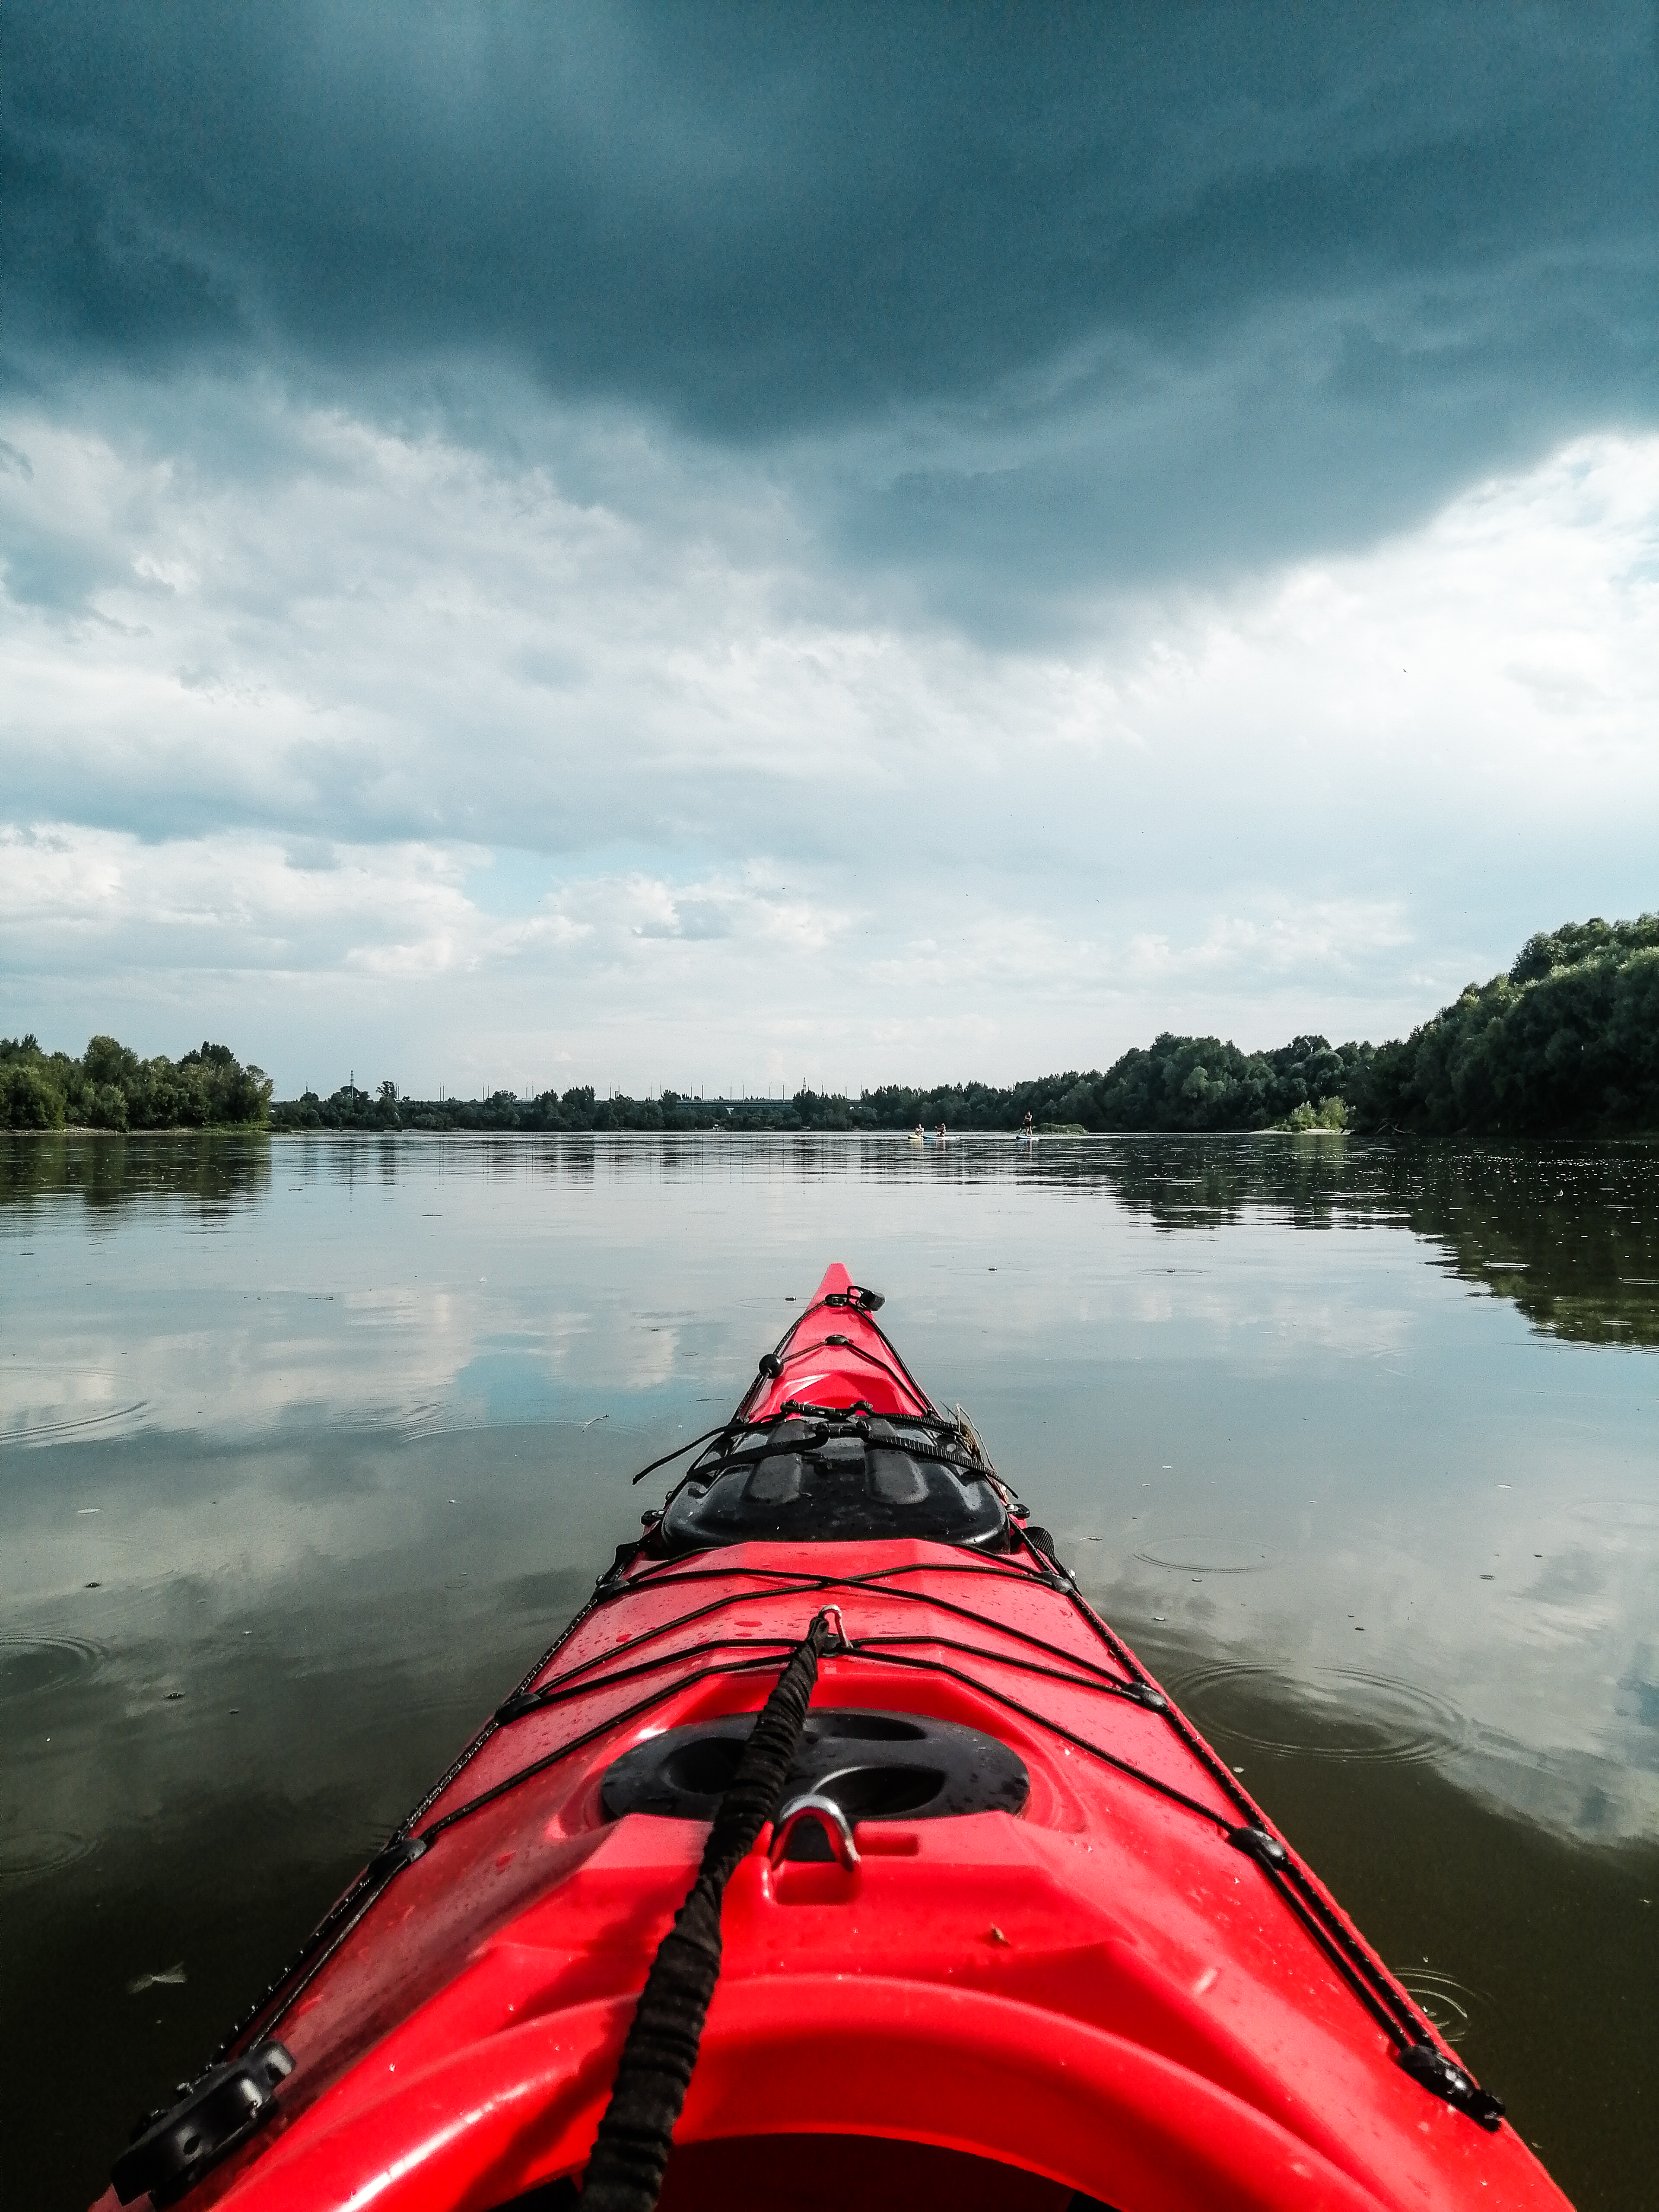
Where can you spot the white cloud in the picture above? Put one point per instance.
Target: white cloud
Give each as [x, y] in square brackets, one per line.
[595, 759]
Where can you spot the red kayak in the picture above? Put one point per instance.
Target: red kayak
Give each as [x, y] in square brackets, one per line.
[934, 1896]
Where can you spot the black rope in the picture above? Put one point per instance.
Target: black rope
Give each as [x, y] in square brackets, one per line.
[779, 1349]
[1351, 1956]
[1041, 1720]
[845, 1344]
[679, 1450]
[240, 2031]
[1366, 1974]
[921, 1447]
[798, 1584]
[579, 1681]
[667, 1574]
[1348, 1951]
[404, 1848]
[630, 2153]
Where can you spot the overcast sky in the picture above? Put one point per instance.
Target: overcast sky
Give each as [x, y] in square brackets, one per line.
[724, 547]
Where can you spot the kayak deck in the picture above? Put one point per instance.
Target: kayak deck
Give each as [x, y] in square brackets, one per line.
[1109, 1984]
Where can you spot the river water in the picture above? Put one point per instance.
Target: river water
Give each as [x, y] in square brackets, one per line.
[307, 1446]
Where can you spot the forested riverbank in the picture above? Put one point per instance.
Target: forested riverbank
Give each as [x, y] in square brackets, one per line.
[110, 1087]
[1565, 1044]
[1182, 1083]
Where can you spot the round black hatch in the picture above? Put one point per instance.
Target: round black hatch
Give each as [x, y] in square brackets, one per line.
[875, 1766]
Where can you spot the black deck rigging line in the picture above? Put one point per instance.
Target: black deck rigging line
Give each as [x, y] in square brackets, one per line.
[538, 1766]
[559, 1692]
[817, 1584]
[1355, 1968]
[400, 1851]
[679, 1450]
[403, 1849]
[1041, 1720]
[935, 1451]
[1347, 1948]
[1352, 1959]
[1381, 1997]
[822, 1305]
[240, 2029]
[666, 1573]
[845, 1344]
[1051, 1575]
[630, 2153]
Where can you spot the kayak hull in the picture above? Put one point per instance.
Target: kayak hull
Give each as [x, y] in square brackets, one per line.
[1102, 1995]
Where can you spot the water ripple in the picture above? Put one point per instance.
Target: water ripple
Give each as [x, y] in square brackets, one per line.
[39, 1432]
[1349, 1715]
[1205, 1555]
[27, 1855]
[29, 1664]
[1446, 2001]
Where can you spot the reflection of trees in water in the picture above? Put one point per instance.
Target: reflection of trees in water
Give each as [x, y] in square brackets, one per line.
[106, 1173]
[1569, 1232]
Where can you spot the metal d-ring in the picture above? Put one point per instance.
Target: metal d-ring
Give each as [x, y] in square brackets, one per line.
[831, 1616]
[837, 1828]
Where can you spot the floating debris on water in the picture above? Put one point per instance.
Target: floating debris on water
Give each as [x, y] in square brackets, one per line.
[170, 1977]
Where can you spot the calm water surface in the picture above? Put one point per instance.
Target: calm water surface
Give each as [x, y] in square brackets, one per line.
[308, 1446]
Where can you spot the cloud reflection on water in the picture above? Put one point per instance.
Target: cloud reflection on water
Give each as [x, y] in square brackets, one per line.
[1190, 1353]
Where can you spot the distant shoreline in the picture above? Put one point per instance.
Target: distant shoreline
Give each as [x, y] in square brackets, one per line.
[1566, 1044]
[980, 1139]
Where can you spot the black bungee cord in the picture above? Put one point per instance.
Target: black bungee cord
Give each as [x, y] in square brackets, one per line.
[635, 2135]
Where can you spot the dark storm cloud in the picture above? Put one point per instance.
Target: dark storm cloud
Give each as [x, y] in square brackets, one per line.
[1041, 294]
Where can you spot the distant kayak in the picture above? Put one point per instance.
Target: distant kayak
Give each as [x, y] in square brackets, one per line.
[949, 1904]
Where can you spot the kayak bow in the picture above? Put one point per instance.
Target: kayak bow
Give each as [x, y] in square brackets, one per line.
[1010, 1935]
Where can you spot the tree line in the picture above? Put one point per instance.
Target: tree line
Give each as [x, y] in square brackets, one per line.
[1183, 1082]
[110, 1087]
[1566, 1042]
